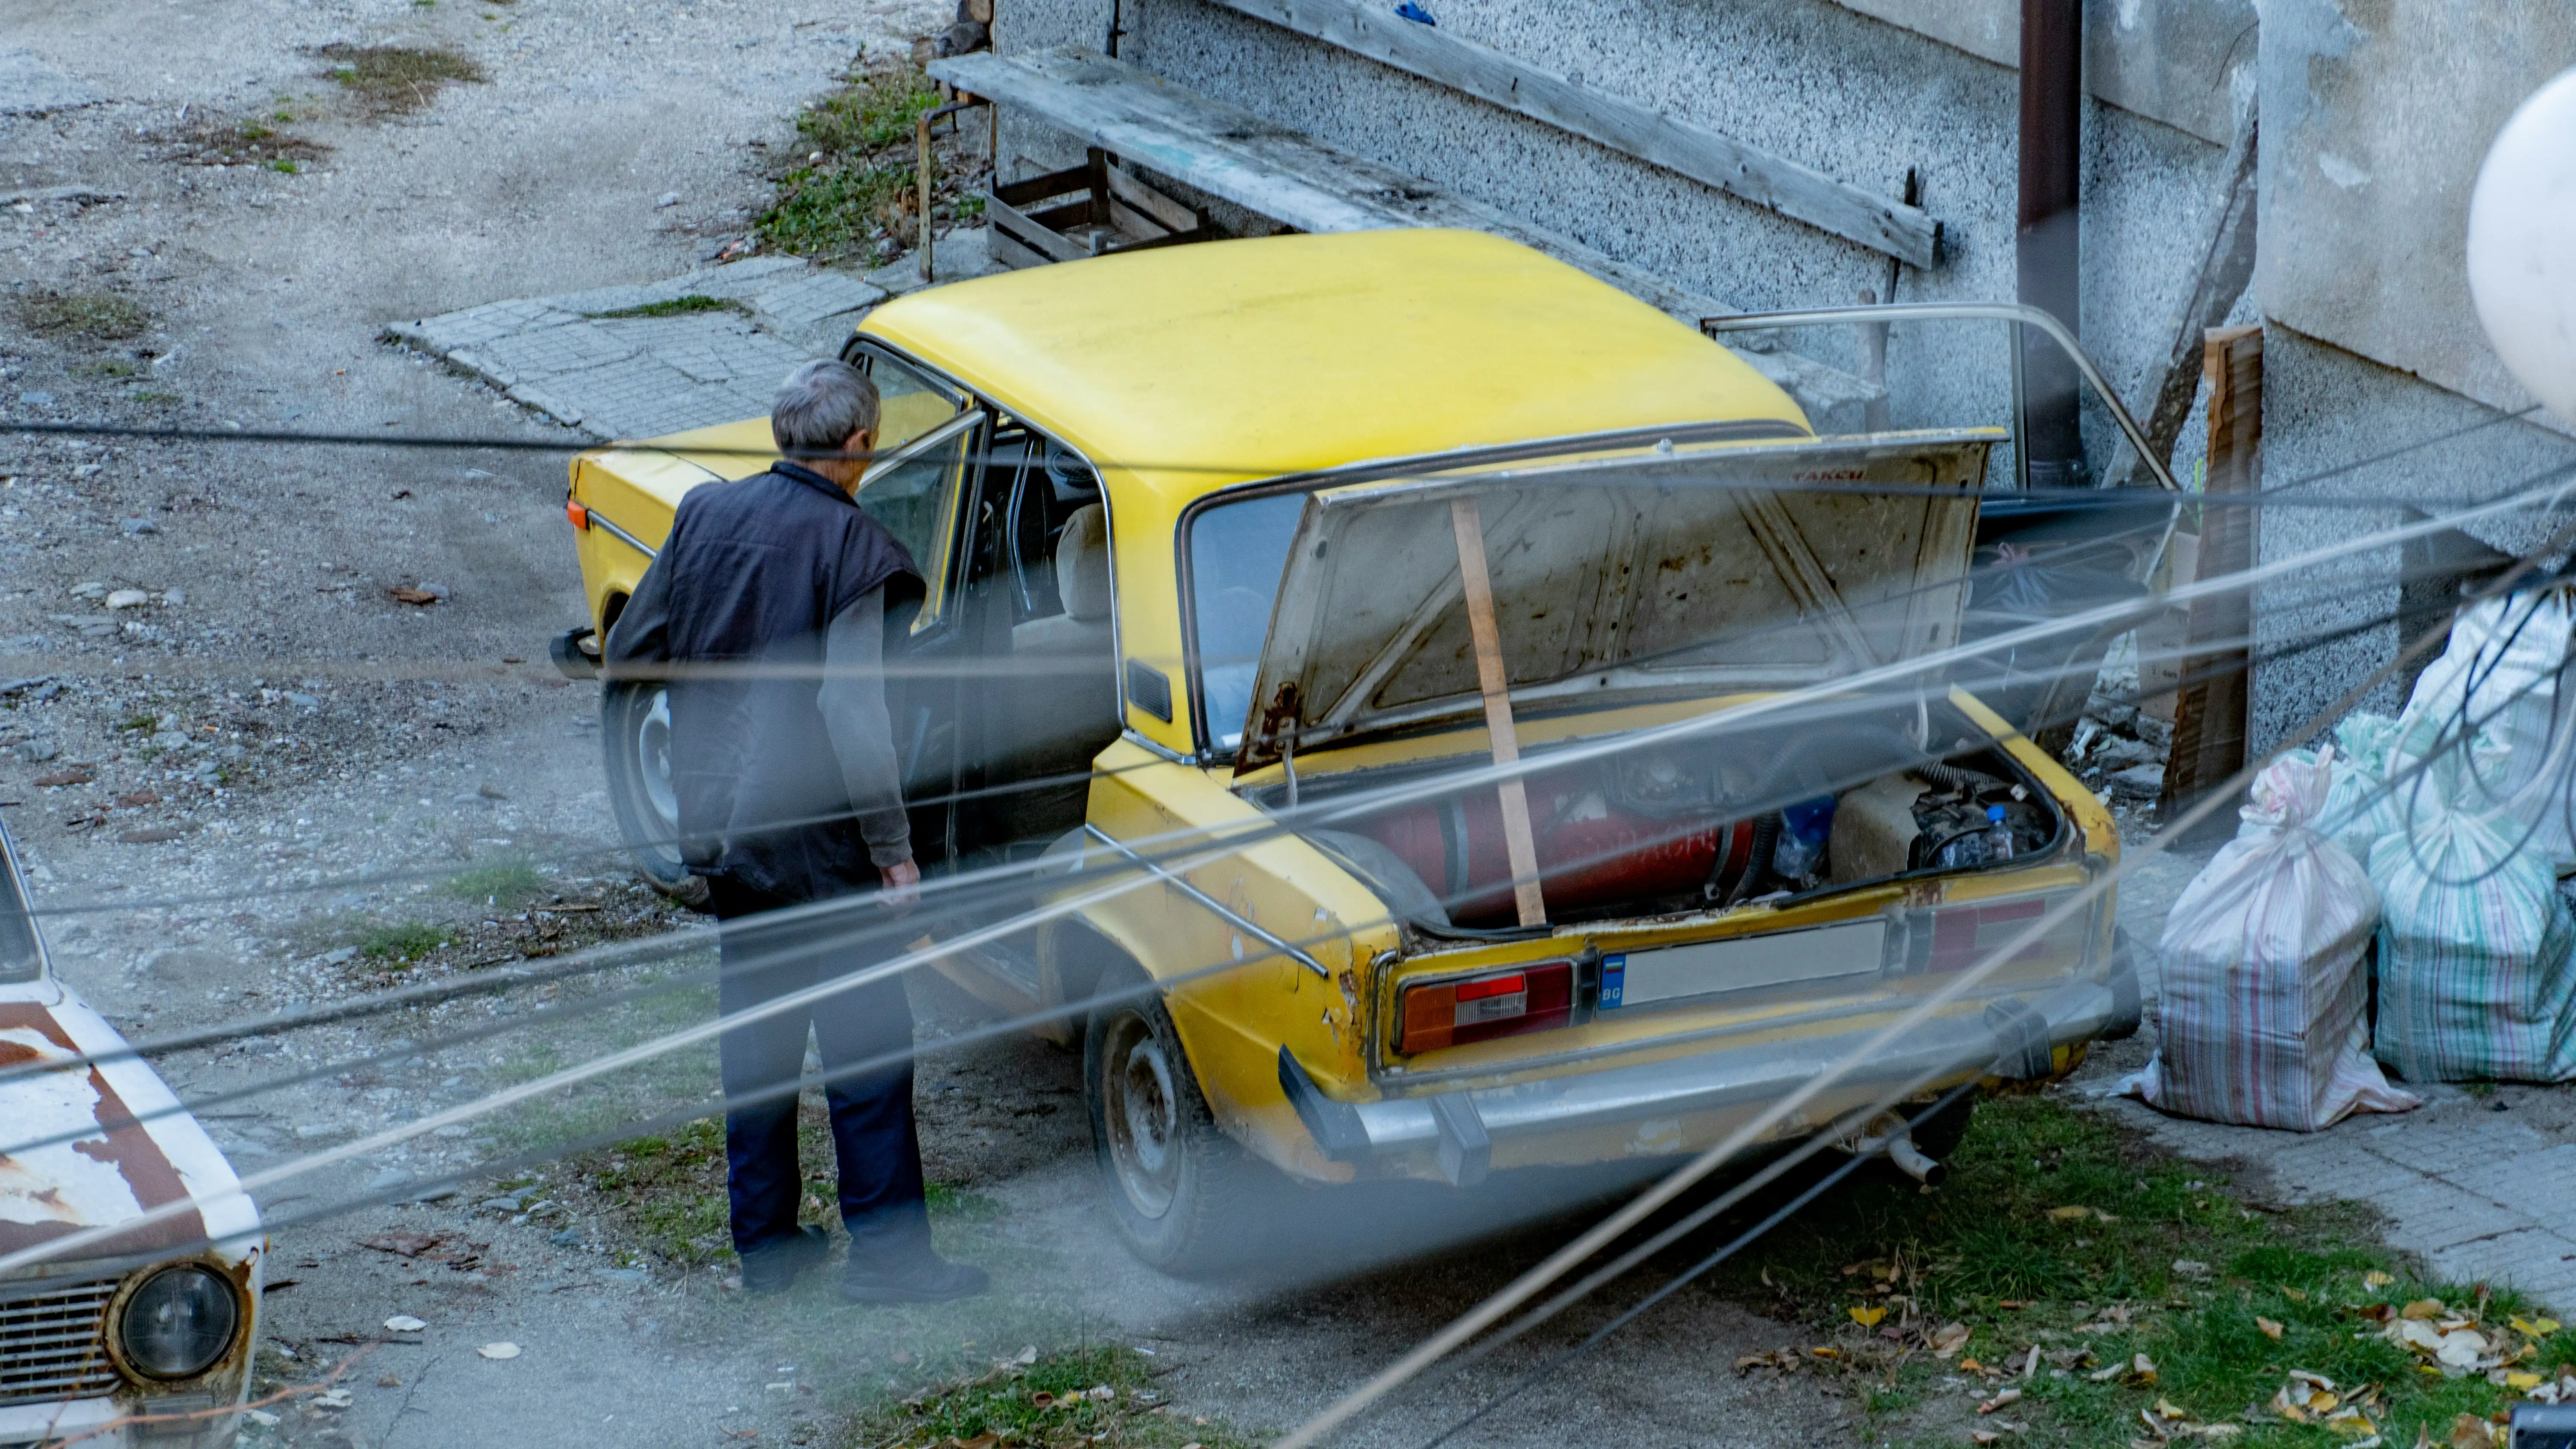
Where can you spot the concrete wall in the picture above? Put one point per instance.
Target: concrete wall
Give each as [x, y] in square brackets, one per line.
[2376, 116]
[1812, 80]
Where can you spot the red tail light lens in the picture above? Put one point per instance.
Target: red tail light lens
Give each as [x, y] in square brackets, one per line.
[1479, 1008]
[1960, 937]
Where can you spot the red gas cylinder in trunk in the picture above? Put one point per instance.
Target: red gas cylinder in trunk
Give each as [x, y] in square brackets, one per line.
[1590, 852]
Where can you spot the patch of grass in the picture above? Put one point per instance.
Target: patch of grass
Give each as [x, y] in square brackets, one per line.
[246, 143]
[107, 367]
[505, 884]
[1062, 1400]
[676, 307]
[402, 941]
[99, 316]
[855, 173]
[392, 80]
[2052, 1221]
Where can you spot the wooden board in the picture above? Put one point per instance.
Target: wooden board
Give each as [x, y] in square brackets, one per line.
[1291, 177]
[1709, 157]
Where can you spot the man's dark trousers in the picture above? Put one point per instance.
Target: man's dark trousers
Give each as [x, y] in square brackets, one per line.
[872, 1126]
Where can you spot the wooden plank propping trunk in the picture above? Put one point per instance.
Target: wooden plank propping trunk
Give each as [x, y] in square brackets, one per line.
[2210, 710]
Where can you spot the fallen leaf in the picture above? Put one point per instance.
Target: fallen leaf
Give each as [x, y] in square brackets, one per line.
[499, 1350]
[2166, 1408]
[404, 1323]
[2271, 1330]
[1026, 1356]
[2461, 1348]
[2536, 1327]
[2423, 1308]
[2416, 1333]
[2376, 1279]
[2191, 1267]
[2468, 1431]
[2295, 1295]
[1949, 1338]
[331, 1399]
[2305, 1377]
[2070, 1214]
[76, 775]
[2012, 1303]
[2142, 1372]
[1826, 1352]
[2108, 1373]
[1971, 1366]
[2523, 1381]
[412, 596]
[1042, 1399]
[388, 1381]
[1983, 1436]
[1868, 1317]
[2008, 1396]
[980, 1441]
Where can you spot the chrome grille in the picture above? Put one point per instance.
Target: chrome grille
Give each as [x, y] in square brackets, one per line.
[53, 1344]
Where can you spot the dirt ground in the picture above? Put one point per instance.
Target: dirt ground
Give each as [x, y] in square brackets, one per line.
[267, 782]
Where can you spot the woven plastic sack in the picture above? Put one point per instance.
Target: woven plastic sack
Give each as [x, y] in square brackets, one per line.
[2358, 812]
[2499, 677]
[2477, 952]
[2262, 997]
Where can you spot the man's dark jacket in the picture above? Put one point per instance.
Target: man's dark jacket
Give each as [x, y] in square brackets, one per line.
[758, 569]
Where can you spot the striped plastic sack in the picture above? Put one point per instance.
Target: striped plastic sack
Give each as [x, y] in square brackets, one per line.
[2357, 811]
[2262, 999]
[2477, 951]
[2499, 676]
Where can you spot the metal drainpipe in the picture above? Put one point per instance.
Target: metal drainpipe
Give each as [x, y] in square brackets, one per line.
[2046, 239]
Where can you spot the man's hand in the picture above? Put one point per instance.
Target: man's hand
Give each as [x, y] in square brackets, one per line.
[899, 885]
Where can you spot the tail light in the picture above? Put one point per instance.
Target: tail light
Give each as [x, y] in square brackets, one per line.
[579, 515]
[1960, 937]
[1480, 1008]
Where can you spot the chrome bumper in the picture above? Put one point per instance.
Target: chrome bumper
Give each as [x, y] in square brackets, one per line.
[2014, 1038]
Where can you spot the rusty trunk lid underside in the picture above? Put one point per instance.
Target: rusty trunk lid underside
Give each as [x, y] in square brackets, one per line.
[1762, 566]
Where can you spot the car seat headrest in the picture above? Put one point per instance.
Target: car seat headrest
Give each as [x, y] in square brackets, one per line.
[1082, 565]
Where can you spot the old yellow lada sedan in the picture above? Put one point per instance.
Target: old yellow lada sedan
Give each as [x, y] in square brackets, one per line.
[1251, 567]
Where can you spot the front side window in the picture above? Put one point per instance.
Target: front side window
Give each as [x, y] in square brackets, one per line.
[1237, 553]
[20, 960]
[914, 493]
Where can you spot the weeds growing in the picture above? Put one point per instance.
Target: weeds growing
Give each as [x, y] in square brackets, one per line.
[1082, 1396]
[854, 185]
[402, 941]
[675, 307]
[98, 316]
[392, 80]
[2055, 1233]
[505, 884]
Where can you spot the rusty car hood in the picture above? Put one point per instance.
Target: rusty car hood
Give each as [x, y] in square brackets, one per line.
[113, 1171]
[1711, 569]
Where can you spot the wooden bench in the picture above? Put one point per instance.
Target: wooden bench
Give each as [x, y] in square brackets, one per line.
[1227, 152]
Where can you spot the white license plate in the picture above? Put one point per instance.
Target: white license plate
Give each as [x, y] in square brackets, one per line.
[1746, 963]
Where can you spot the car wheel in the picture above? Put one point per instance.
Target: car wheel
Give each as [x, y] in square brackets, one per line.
[1176, 1185]
[635, 738]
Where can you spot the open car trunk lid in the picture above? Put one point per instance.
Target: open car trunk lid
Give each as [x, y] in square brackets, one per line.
[1693, 570]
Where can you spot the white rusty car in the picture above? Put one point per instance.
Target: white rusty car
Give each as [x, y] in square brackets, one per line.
[145, 1338]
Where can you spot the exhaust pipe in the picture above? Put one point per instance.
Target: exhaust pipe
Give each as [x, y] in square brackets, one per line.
[1911, 1161]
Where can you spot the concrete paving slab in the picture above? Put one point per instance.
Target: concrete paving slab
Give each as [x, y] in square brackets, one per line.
[2541, 1183]
[575, 358]
[2431, 1214]
[2534, 1260]
[2465, 1145]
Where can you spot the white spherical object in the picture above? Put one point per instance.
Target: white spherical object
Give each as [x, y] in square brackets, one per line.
[2522, 245]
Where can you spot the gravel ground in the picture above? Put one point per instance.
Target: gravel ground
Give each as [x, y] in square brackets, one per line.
[250, 777]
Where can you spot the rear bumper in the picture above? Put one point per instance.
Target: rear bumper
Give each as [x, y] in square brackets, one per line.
[1453, 1134]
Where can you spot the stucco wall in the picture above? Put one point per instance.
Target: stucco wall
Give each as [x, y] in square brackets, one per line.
[1811, 80]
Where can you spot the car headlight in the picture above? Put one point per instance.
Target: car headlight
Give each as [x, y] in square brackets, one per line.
[179, 1321]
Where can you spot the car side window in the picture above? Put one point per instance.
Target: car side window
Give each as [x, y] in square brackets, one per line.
[20, 958]
[910, 402]
[915, 493]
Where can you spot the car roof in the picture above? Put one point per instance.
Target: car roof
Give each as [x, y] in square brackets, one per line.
[1187, 368]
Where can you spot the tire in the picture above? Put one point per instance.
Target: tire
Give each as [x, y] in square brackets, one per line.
[1178, 1188]
[635, 743]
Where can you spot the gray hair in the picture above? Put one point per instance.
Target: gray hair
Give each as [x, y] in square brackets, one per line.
[820, 405]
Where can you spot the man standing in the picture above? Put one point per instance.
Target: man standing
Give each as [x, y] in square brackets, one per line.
[771, 594]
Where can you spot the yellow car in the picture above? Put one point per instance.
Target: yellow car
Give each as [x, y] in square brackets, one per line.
[1246, 563]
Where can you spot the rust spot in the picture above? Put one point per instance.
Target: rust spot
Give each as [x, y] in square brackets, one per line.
[17, 1054]
[128, 1148]
[1282, 715]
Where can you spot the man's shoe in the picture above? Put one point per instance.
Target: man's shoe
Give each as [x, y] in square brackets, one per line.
[773, 1269]
[924, 1279]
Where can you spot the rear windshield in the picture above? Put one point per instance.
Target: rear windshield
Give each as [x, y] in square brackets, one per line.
[19, 959]
[1237, 553]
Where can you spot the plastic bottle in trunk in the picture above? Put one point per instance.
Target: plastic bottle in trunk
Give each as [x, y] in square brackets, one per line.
[1999, 841]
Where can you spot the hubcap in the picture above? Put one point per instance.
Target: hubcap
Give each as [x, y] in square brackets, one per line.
[1142, 1115]
[653, 763]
